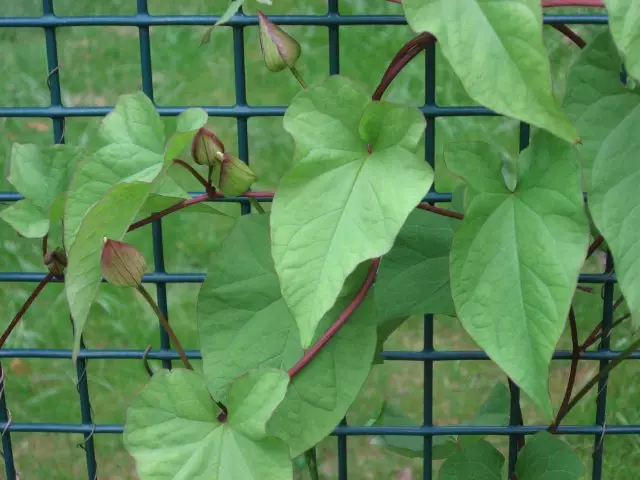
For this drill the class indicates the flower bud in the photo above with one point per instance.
(235, 176)
(205, 148)
(56, 261)
(122, 264)
(279, 49)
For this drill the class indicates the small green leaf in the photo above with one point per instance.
(188, 124)
(243, 323)
(172, 430)
(494, 411)
(479, 461)
(413, 278)
(624, 23)
(408, 446)
(42, 174)
(366, 197)
(231, 10)
(546, 457)
(596, 100)
(499, 56)
(613, 195)
(513, 303)
(27, 219)
(134, 121)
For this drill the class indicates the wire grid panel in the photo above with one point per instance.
(241, 111)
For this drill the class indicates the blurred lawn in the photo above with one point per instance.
(99, 64)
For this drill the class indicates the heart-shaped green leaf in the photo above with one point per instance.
(624, 23)
(516, 257)
(173, 432)
(546, 457)
(413, 278)
(243, 323)
(500, 56)
(356, 181)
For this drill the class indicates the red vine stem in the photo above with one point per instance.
(206, 184)
(440, 211)
(167, 211)
(573, 370)
(573, 3)
(407, 53)
(571, 35)
(24, 308)
(595, 245)
(337, 325)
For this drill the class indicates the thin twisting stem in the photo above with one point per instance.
(24, 308)
(573, 3)
(165, 324)
(440, 211)
(604, 372)
(298, 77)
(337, 325)
(571, 35)
(206, 184)
(573, 370)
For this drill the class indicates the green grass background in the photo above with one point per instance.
(99, 64)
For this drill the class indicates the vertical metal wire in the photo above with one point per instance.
(156, 227)
(240, 76)
(334, 39)
(601, 399)
(7, 447)
(430, 157)
(53, 81)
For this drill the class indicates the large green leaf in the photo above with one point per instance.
(320, 395)
(596, 100)
(516, 257)
(413, 278)
(106, 207)
(408, 445)
(243, 323)
(173, 432)
(624, 22)
(348, 197)
(546, 457)
(41, 175)
(613, 200)
(478, 461)
(499, 56)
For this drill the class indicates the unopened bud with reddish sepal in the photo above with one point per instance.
(235, 176)
(279, 49)
(56, 261)
(205, 148)
(122, 264)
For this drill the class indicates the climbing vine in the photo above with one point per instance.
(298, 300)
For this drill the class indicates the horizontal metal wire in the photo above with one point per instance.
(420, 356)
(435, 197)
(417, 431)
(232, 111)
(144, 20)
(158, 277)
